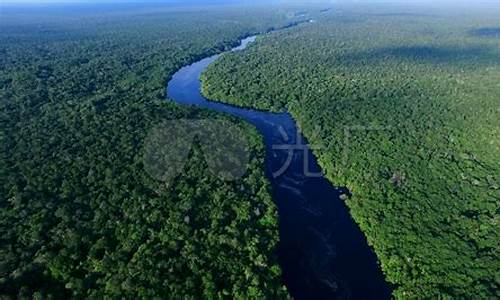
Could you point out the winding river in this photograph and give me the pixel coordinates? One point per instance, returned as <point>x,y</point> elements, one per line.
<point>322,252</point>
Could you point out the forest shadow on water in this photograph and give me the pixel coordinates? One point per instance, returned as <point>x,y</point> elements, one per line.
<point>426,54</point>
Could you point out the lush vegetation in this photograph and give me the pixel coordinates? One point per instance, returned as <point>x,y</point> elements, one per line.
<point>79,215</point>
<point>403,109</point>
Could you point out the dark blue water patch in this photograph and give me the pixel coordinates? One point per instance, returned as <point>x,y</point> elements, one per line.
<point>486,32</point>
<point>301,14</point>
<point>322,251</point>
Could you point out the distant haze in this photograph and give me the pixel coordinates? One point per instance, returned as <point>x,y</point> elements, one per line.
<point>148,1</point>
<point>249,1</point>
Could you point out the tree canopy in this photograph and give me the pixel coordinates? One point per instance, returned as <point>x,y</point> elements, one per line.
<point>79,214</point>
<point>402,108</point>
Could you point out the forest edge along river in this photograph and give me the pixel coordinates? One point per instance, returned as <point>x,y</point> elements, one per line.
<point>322,252</point>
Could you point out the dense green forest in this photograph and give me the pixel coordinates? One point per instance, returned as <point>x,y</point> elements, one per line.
<point>402,107</point>
<point>79,215</point>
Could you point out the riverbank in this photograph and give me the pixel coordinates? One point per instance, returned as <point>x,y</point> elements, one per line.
<point>322,251</point>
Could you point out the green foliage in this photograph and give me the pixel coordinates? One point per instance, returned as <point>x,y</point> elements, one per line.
<point>403,109</point>
<point>79,216</point>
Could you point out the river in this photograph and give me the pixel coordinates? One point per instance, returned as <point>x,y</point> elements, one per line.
<point>322,252</point>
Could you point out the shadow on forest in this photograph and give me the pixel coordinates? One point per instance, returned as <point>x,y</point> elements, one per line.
<point>425,54</point>
<point>486,32</point>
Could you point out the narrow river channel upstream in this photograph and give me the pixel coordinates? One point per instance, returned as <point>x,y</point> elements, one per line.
<point>322,252</point>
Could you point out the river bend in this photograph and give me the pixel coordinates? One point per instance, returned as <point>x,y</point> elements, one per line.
<point>322,252</point>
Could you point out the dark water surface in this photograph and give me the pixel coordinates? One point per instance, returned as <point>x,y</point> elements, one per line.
<point>322,252</point>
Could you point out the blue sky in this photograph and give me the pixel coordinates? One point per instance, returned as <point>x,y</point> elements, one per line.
<point>163,1</point>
